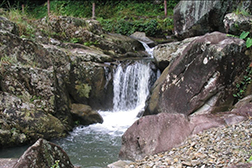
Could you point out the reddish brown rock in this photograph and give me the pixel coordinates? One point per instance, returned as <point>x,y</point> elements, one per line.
<point>158,133</point>
<point>153,134</point>
<point>204,72</point>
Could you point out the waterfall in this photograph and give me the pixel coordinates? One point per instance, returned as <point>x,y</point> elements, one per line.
<point>98,144</point>
<point>131,86</point>
<point>147,48</point>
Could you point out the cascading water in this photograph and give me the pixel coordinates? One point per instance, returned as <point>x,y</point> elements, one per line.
<point>131,86</point>
<point>98,145</point>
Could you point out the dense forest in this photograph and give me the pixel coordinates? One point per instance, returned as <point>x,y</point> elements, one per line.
<point>123,17</point>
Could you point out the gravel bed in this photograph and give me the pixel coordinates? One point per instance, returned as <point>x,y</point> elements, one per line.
<point>214,148</point>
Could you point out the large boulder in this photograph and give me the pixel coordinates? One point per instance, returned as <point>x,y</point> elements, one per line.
<point>89,83</point>
<point>84,114</point>
<point>7,163</point>
<point>192,18</point>
<point>89,33</point>
<point>142,37</point>
<point>153,134</point>
<point>159,133</point>
<point>205,72</point>
<point>23,122</point>
<point>44,154</point>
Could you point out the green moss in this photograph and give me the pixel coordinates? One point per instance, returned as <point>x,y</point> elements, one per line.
<point>83,90</point>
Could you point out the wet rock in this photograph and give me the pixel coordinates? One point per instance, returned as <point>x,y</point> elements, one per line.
<point>23,123</point>
<point>43,154</point>
<point>156,133</point>
<point>85,115</point>
<point>149,138</point>
<point>205,70</point>
<point>193,18</point>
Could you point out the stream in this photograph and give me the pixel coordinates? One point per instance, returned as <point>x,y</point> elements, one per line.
<point>98,145</point>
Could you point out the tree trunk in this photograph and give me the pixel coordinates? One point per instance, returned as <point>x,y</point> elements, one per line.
<point>23,8</point>
<point>48,8</point>
<point>165,8</point>
<point>93,11</point>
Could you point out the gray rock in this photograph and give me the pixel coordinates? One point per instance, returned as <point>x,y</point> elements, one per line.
<point>192,18</point>
<point>142,37</point>
<point>164,54</point>
<point>85,115</point>
<point>9,26</point>
<point>237,23</point>
<point>43,154</point>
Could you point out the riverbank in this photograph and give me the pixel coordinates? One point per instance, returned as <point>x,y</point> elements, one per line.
<point>216,147</point>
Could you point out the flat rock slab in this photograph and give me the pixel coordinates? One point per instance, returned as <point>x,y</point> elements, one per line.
<point>7,163</point>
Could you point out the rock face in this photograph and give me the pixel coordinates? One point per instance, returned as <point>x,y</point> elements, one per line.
<point>43,154</point>
<point>41,77</point>
<point>193,18</point>
<point>204,73</point>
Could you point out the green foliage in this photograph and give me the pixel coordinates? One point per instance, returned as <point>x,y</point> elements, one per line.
<point>75,40</point>
<point>243,36</point>
<point>89,43</point>
<point>34,97</point>
<point>23,22</point>
<point>241,11</point>
<point>242,86</point>
<point>56,165</point>
<point>249,42</point>
<point>128,27</point>
<point>127,17</point>
<point>124,17</point>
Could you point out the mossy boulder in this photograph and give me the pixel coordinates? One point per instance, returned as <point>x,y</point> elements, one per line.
<point>23,122</point>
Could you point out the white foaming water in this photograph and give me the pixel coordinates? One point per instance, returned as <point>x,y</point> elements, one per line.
<point>97,145</point>
<point>148,49</point>
<point>131,86</point>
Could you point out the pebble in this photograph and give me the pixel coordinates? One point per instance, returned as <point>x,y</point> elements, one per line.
<point>213,148</point>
